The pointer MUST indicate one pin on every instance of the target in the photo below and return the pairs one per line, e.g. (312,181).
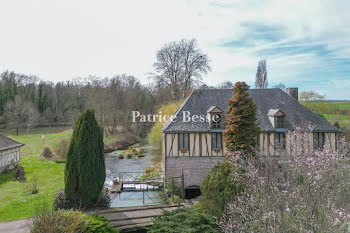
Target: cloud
(305,42)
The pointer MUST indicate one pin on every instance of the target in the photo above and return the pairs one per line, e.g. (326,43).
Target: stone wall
(192,169)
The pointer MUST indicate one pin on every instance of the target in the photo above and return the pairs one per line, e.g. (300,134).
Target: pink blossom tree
(309,192)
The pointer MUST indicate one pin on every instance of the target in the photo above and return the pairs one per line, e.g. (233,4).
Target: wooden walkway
(132,217)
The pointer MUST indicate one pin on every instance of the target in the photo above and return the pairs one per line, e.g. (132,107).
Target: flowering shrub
(217,188)
(306,193)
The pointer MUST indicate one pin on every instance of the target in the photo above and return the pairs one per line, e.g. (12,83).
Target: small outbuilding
(9,153)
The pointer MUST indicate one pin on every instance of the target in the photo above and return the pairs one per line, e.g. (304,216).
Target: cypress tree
(241,129)
(85,170)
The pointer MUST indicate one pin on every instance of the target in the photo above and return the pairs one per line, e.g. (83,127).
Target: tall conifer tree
(85,170)
(241,129)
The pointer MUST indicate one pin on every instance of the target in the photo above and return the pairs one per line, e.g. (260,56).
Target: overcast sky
(306,43)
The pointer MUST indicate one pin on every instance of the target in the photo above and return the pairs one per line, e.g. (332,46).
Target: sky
(306,43)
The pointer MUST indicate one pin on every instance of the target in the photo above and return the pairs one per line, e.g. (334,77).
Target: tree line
(27,101)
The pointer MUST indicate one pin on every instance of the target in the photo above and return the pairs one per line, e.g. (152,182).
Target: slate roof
(265,99)
(8,143)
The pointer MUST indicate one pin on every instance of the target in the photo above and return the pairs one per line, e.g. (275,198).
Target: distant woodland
(26,101)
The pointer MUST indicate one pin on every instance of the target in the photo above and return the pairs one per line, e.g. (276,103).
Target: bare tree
(311,96)
(180,65)
(226,85)
(195,62)
(261,75)
(19,112)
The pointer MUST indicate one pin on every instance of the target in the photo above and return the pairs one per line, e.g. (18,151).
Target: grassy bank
(15,200)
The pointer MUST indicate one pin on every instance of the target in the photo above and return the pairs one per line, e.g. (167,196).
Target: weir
(136,182)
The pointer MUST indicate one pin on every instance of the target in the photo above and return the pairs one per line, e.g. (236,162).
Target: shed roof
(8,143)
(265,99)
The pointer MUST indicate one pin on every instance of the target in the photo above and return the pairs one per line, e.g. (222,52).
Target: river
(115,166)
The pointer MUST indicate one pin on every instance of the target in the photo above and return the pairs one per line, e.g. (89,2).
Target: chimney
(293,92)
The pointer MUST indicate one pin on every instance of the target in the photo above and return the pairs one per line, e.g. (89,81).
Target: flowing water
(115,168)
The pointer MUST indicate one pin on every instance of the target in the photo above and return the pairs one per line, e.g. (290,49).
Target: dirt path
(19,226)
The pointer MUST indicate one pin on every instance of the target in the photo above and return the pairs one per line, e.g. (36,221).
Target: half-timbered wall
(189,168)
(267,145)
(200,145)
(8,158)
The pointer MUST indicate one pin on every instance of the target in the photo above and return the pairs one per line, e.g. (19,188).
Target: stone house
(192,145)
(9,153)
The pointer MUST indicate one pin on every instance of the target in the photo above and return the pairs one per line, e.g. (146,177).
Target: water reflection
(137,198)
(115,168)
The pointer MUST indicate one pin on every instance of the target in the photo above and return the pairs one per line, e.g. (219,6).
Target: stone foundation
(192,170)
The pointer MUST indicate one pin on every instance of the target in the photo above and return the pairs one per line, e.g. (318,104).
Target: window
(217,121)
(280,140)
(279,122)
(319,140)
(183,141)
(216,141)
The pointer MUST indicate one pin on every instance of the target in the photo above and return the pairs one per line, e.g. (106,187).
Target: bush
(218,188)
(32,186)
(64,221)
(60,221)
(60,201)
(62,148)
(47,153)
(98,224)
(184,220)
(103,201)
(152,172)
(175,200)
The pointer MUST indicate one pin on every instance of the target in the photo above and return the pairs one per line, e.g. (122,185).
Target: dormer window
(216,117)
(279,122)
(217,121)
(276,117)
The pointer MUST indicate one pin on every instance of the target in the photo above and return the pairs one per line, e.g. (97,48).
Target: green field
(324,107)
(332,111)
(15,200)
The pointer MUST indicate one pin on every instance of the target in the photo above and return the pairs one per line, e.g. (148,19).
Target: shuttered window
(183,141)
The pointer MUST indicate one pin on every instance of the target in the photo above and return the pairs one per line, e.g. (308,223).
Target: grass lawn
(15,200)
